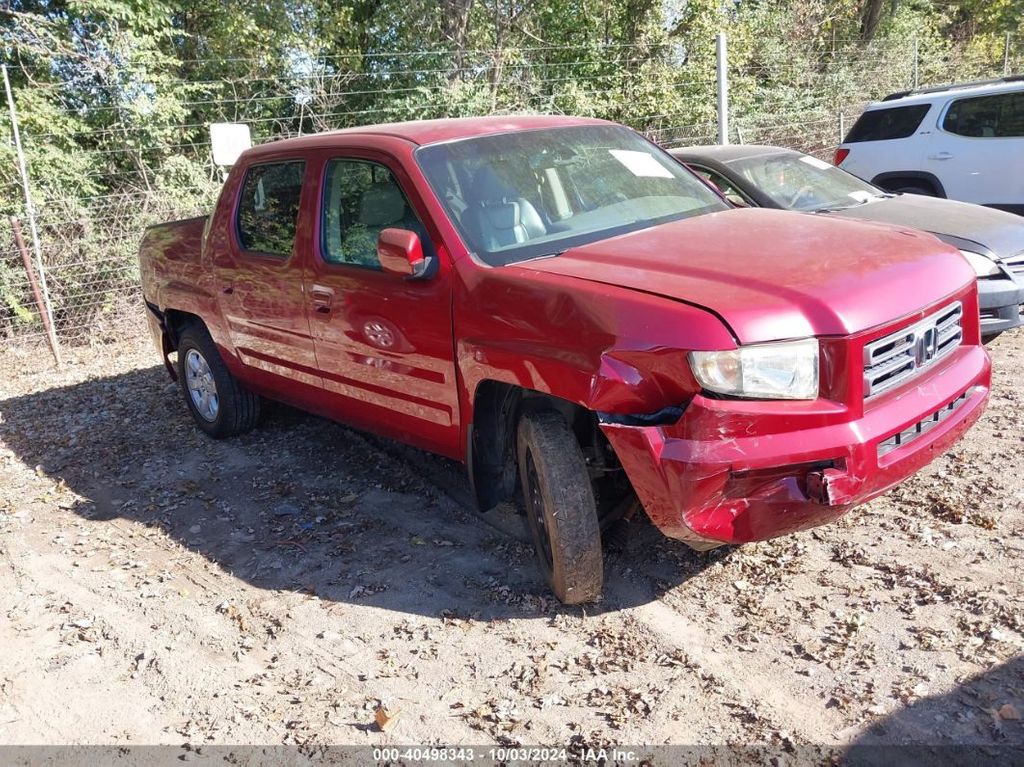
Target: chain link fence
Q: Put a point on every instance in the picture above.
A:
(147, 165)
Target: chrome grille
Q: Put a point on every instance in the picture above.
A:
(1016, 264)
(902, 355)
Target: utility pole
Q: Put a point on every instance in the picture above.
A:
(30, 212)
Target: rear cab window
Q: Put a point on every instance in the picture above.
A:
(269, 207)
(887, 123)
(1000, 115)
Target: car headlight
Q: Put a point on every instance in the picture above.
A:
(784, 370)
(982, 265)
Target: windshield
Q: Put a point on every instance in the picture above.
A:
(805, 183)
(515, 196)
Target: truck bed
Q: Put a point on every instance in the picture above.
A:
(170, 257)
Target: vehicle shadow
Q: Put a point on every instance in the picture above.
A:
(981, 721)
(306, 504)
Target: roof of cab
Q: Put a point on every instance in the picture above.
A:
(430, 131)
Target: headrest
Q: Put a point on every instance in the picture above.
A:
(503, 215)
(381, 205)
(488, 186)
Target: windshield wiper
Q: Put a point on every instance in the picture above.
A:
(835, 208)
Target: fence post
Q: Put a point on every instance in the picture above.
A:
(31, 213)
(842, 127)
(722, 62)
(26, 261)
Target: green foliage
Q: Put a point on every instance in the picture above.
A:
(115, 96)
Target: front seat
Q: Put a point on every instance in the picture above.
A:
(500, 218)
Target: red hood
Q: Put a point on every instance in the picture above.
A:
(773, 274)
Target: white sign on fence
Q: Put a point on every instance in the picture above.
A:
(228, 141)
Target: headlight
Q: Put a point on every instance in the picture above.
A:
(785, 370)
(983, 266)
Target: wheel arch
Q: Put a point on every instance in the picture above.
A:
(491, 435)
(175, 323)
(886, 180)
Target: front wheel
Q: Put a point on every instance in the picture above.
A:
(560, 507)
(219, 404)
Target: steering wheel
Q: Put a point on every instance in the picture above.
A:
(798, 194)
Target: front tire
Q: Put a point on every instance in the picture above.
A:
(219, 404)
(560, 508)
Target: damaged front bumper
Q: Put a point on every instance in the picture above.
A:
(734, 471)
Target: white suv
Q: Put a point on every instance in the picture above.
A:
(965, 142)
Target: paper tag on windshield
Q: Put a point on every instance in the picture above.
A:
(640, 163)
(814, 162)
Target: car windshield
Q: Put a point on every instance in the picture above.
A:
(522, 195)
(801, 182)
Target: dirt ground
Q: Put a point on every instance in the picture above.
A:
(160, 587)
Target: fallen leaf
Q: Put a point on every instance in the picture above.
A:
(386, 719)
(1009, 712)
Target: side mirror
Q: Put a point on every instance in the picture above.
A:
(401, 252)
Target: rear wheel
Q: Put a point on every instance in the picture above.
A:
(560, 507)
(219, 404)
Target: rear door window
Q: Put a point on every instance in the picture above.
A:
(885, 124)
(997, 116)
(269, 207)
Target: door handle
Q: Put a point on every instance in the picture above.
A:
(941, 156)
(322, 299)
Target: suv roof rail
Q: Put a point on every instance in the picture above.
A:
(953, 86)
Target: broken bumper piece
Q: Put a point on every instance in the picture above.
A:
(733, 471)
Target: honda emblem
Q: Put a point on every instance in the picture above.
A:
(926, 346)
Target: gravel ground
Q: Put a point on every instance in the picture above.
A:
(159, 587)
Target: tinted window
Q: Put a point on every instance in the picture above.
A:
(532, 193)
(360, 200)
(1000, 116)
(269, 207)
(883, 124)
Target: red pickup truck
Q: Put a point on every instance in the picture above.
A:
(560, 305)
